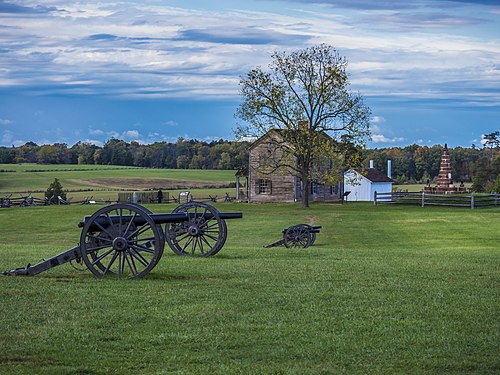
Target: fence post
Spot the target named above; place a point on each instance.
(423, 198)
(472, 201)
(375, 198)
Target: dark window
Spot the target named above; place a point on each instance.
(314, 188)
(264, 186)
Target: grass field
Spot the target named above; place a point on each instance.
(104, 182)
(385, 290)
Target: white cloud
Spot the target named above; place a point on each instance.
(149, 50)
(96, 132)
(380, 138)
(246, 138)
(94, 142)
(377, 119)
(7, 137)
(18, 142)
(170, 123)
(5, 121)
(131, 134)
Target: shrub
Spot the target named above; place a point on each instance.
(54, 191)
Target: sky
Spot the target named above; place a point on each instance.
(158, 70)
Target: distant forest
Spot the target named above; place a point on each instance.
(410, 164)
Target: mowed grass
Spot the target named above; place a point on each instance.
(385, 290)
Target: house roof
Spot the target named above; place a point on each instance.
(262, 137)
(374, 175)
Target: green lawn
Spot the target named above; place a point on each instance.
(385, 290)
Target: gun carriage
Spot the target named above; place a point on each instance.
(300, 235)
(128, 239)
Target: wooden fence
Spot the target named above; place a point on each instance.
(142, 197)
(424, 199)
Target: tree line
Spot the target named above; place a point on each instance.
(183, 154)
(420, 164)
(410, 164)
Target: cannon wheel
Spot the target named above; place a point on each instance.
(121, 246)
(298, 236)
(312, 235)
(203, 233)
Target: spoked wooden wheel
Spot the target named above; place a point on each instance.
(121, 239)
(202, 233)
(312, 235)
(298, 236)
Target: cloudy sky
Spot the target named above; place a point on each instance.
(162, 69)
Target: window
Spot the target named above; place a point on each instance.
(263, 186)
(314, 188)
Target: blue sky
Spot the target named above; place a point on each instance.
(158, 70)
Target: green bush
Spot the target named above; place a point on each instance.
(54, 191)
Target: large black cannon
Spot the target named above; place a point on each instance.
(128, 239)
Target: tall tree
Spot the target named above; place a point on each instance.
(305, 94)
(492, 139)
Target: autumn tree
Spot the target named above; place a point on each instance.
(305, 95)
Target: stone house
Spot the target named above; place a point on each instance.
(268, 184)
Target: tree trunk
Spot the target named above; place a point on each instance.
(305, 191)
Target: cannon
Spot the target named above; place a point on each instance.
(128, 240)
(300, 235)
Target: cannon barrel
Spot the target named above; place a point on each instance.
(104, 221)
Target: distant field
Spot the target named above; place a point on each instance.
(384, 290)
(419, 187)
(103, 182)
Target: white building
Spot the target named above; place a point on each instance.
(362, 184)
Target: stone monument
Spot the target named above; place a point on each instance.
(444, 180)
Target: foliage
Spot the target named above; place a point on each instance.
(305, 94)
(183, 154)
(492, 139)
(417, 164)
(487, 173)
(54, 191)
(386, 290)
(493, 186)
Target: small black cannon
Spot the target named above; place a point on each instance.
(128, 239)
(300, 235)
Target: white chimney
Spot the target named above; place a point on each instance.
(371, 163)
(389, 168)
